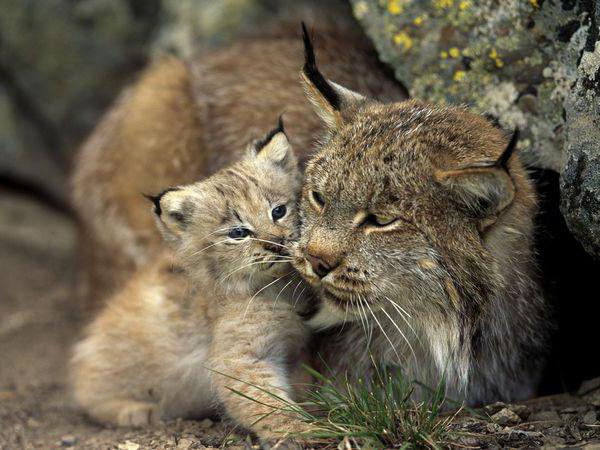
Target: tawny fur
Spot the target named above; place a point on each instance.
(417, 227)
(213, 317)
(457, 260)
(183, 120)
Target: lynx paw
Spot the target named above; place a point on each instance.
(138, 414)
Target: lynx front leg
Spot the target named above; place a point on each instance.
(251, 361)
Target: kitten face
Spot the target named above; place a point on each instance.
(236, 225)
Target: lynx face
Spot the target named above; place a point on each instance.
(237, 224)
(401, 204)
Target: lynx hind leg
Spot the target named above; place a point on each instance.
(126, 413)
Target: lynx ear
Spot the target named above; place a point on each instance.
(328, 98)
(485, 189)
(173, 212)
(275, 147)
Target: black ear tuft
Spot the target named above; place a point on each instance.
(494, 120)
(507, 153)
(261, 143)
(311, 71)
(155, 199)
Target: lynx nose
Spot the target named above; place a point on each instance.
(322, 264)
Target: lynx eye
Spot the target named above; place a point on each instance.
(380, 221)
(278, 212)
(239, 233)
(317, 199)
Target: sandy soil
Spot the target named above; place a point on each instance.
(38, 325)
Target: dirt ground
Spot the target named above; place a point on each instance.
(38, 326)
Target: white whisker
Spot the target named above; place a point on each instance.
(365, 322)
(299, 295)
(267, 261)
(262, 289)
(401, 313)
(268, 242)
(401, 333)
(294, 292)
(398, 307)
(383, 331)
(282, 289)
(209, 246)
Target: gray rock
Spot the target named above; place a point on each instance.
(68, 441)
(61, 63)
(545, 416)
(580, 178)
(589, 386)
(533, 64)
(590, 418)
(593, 398)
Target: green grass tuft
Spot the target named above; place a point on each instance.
(382, 414)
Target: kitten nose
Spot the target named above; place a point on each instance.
(322, 264)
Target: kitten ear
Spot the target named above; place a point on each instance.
(275, 147)
(173, 210)
(485, 189)
(328, 98)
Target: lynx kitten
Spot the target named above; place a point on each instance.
(213, 317)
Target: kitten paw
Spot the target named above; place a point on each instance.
(138, 414)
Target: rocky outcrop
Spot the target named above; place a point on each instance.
(61, 63)
(580, 176)
(533, 64)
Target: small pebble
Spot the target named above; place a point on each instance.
(128, 445)
(206, 423)
(184, 444)
(494, 408)
(521, 410)
(493, 427)
(32, 423)
(506, 417)
(68, 441)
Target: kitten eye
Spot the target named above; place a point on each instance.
(380, 221)
(239, 233)
(317, 199)
(278, 212)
